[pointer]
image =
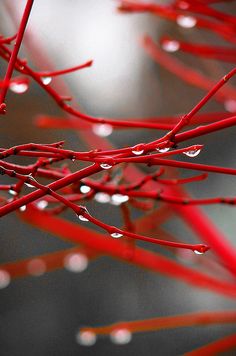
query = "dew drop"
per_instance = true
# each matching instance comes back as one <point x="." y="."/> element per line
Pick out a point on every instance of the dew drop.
<point x="186" y="21"/>
<point x="121" y="336"/>
<point x="105" y="166"/>
<point x="76" y="262"/>
<point x="138" y="149"/>
<point x="73" y="159"/>
<point x="5" y="279"/>
<point x="86" y="338"/>
<point x="163" y="149"/>
<point x="116" y="235"/>
<point x="102" y="197"/>
<point x="85" y="189"/>
<point x="42" y="204"/>
<point x="192" y="153"/>
<point x="18" y="86"/>
<point x="118" y="199"/>
<point x="102" y="130"/>
<point x="198" y="252"/>
<point x="46" y="80"/>
<point x="29" y="185"/>
<point x="12" y="192"/>
<point x="36" y="267"/>
<point x="82" y="218"/>
<point x="170" y="46"/>
<point x="23" y="208"/>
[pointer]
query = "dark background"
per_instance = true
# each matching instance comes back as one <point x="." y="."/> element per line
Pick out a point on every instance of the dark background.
<point x="40" y="316"/>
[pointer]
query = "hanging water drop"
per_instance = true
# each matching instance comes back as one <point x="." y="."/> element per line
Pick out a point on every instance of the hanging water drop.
<point x="105" y="166"/>
<point x="121" y="336"/>
<point x="138" y="149"/>
<point x="170" y="45"/>
<point x="84" y="189"/>
<point x="12" y="192"/>
<point x="102" y="130"/>
<point x="163" y="149"/>
<point x="116" y="235"/>
<point x="197" y="252"/>
<point x="186" y="21"/>
<point x="82" y="218"/>
<point x="192" y="153"/>
<point x="46" y="80"/>
<point x="23" y="208"/>
<point x="29" y="185"/>
<point x="19" y="86"/>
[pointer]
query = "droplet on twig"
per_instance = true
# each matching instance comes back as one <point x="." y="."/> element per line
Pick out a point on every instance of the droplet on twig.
<point x="170" y="45"/>
<point x="46" y="80"/>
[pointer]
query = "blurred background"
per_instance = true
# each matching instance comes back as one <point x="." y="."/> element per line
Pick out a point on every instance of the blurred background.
<point x="42" y="315"/>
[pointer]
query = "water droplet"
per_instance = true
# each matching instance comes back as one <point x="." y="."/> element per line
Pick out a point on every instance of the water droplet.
<point x="19" y="86"/>
<point x="46" y="80"/>
<point x="230" y="105"/>
<point x="42" y="204"/>
<point x="138" y="149"/>
<point x="5" y="279"/>
<point x="163" y="149"/>
<point x="105" y="166"/>
<point x="192" y="153"/>
<point x="86" y="338"/>
<point x="29" y="185"/>
<point x="85" y="189"/>
<point x="23" y="208"/>
<point x="118" y="199"/>
<point x="36" y="267"/>
<point x="76" y="262"/>
<point x="186" y="21"/>
<point x="102" y="130"/>
<point x="170" y="45"/>
<point x="12" y="192"/>
<point x="198" y="252"/>
<point x="82" y="218"/>
<point x="73" y="159"/>
<point x="121" y="336"/>
<point x="102" y="197"/>
<point x="116" y="235"/>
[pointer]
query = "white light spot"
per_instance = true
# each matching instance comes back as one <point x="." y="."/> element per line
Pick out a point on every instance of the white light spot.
<point x="86" y="338"/>
<point x="42" y="204"/>
<point x="102" y="130"/>
<point x="102" y="197"/>
<point x="170" y="46"/>
<point x="5" y="279"/>
<point x="186" y="21"/>
<point x="76" y="262"/>
<point x="121" y="336"/>
<point x="84" y="189"/>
